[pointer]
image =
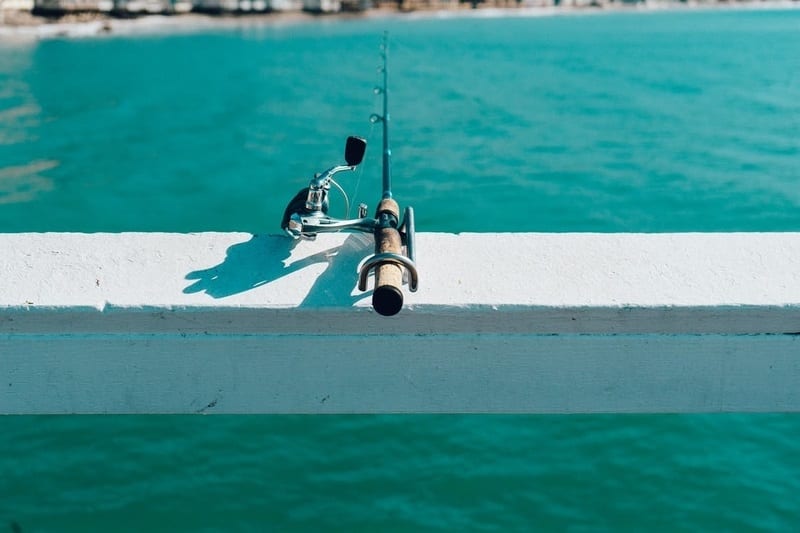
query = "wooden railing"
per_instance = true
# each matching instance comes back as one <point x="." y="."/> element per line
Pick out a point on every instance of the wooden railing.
<point x="533" y="323"/>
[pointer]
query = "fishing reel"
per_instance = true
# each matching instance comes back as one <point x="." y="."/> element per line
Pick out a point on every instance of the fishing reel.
<point x="306" y="216"/>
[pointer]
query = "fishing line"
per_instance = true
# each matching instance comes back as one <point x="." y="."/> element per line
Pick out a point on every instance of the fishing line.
<point x="360" y="171"/>
<point x="370" y="137"/>
<point x="377" y="110"/>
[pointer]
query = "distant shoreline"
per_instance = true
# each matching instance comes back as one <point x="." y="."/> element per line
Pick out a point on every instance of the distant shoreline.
<point x="25" y="26"/>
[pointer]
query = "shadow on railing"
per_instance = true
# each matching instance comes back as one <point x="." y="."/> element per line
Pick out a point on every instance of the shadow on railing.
<point x="264" y="259"/>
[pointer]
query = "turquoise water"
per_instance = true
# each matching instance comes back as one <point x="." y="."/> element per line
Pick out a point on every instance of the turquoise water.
<point x="659" y="122"/>
<point x="626" y="122"/>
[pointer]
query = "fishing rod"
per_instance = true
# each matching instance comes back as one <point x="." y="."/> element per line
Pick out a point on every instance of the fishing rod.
<point x="306" y="216"/>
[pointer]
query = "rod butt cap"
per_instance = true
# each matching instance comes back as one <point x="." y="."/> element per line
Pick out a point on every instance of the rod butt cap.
<point x="387" y="300"/>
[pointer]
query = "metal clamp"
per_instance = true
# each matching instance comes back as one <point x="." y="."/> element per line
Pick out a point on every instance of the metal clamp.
<point x="397" y="259"/>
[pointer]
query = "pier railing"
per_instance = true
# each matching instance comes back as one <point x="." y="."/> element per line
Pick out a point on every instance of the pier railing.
<point x="532" y="323"/>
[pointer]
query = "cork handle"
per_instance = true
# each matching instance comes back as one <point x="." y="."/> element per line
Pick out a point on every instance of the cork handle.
<point x="387" y="298"/>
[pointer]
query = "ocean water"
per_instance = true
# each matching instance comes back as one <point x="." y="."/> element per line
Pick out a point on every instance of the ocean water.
<point x="667" y="121"/>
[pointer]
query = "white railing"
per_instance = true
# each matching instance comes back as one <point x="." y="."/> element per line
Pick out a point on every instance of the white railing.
<point x="534" y="323"/>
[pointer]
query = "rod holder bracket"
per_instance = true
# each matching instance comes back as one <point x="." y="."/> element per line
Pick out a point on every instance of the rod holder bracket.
<point x="377" y="259"/>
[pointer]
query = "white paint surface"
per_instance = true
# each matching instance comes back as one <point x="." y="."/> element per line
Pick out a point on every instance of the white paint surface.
<point x="231" y="322"/>
<point x="238" y="269"/>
